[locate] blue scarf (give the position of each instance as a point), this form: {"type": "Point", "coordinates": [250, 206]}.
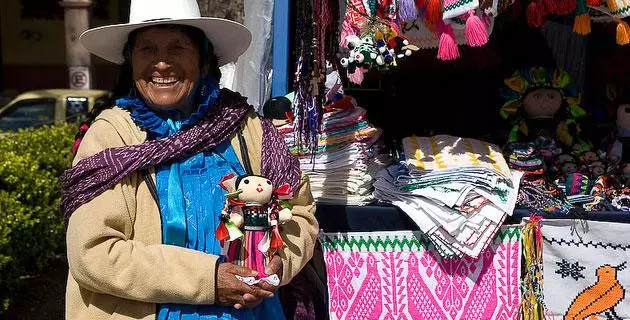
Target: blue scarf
{"type": "Point", "coordinates": [163, 124]}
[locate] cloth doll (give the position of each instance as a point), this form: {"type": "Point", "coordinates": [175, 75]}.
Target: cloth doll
{"type": "Point", "coordinates": [596, 169]}
{"type": "Point", "coordinates": [620, 149]}
{"type": "Point", "coordinates": [249, 227]}
{"type": "Point", "coordinates": [562, 165]}
{"type": "Point", "coordinates": [543, 108]}
{"type": "Point", "coordinates": [591, 164]}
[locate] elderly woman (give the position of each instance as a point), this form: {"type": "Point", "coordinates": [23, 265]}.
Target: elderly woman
{"type": "Point", "coordinates": [143, 199]}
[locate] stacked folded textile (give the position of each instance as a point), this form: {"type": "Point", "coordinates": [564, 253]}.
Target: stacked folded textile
{"type": "Point", "coordinates": [343, 166]}
{"type": "Point", "coordinates": [457, 190]}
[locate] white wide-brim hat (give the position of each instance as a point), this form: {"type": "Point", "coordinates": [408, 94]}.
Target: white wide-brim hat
{"type": "Point", "coordinates": [229, 39]}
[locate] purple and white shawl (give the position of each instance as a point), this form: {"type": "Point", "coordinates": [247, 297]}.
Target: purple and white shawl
{"type": "Point", "coordinates": [92, 176]}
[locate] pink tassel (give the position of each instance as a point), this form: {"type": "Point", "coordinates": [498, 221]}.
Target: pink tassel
{"type": "Point", "coordinates": [475, 31]}
{"type": "Point", "coordinates": [346, 30]}
{"type": "Point", "coordinates": [357, 77]}
{"type": "Point", "coordinates": [447, 49]}
{"type": "Point", "coordinates": [407, 10]}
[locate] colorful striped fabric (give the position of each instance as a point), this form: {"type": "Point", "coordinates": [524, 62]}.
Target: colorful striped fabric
{"type": "Point", "coordinates": [448, 152]}
{"type": "Point", "coordinates": [342, 165]}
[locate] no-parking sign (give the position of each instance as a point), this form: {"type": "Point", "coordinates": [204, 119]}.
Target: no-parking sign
{"type": "Point", "coordinates": [79, 78]}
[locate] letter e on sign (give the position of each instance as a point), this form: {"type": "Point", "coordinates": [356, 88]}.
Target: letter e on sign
{"type": "Point", "coordinates": [79, 78]}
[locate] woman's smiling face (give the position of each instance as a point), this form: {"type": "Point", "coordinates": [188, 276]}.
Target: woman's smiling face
{"type": "Point", "coordinates": [166, 67]}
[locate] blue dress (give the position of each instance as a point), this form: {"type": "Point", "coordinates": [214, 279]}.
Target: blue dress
{"type": "Point", "coordinates": [191, 201]}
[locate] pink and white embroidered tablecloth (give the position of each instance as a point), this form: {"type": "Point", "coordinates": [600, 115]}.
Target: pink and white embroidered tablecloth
{"type": "Point", "coordinates": [392, 275]}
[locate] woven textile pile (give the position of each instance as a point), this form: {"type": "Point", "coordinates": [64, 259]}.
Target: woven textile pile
{"type": "Point", "coordinates": [457, 190]}
{"type": "Point", "coordinates": [342, 167]}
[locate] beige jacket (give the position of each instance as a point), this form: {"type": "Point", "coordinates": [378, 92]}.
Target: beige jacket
{"type": "Point", "coordinates": [119, 268]}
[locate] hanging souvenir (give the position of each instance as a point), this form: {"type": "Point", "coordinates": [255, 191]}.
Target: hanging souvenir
{"type": "Point", "coordinates": [372, 38]}
{"type": "Point", "coordinates": [316, 43]}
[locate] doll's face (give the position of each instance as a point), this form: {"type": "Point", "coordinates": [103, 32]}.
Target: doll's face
{"type": "Point", "coordinates": [569, 167]}
{"type": "Point", "coordinates": [590, 156]}
{"type": "Point", "coordinates": [564, 158]}
{"type": "Point", "coordinates": [255, 189]}
{"type": "Point", "coordinates": [597, 168]}
{"type": "Point", "coordinates": [542, 103]}
{"type": "Point", "coordinates": [623, 116]}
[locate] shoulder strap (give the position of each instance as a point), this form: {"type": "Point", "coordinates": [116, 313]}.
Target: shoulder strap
{"type": "Point", "coordinates": [151, 184]}
{"type": "Point", "coordinates": [244, 153]}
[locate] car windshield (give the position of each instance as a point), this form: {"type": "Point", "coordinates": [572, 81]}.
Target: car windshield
{"type": "Point", "coordinates": [76, 108]}
{"type": "Point", "coordinates": [28, 113]}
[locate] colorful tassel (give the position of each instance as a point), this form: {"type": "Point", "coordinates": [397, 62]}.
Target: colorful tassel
{"type": "Point", "coordinates": [447, 49]}
{"type": "Point", "coordinates": [222, 232]}
{"type": "Point", "coordinates": [420, 4]}
{"type": "Point", "coordinates": [623, 33]}
{"type": "Point", "coordinates": [549, 7]}
{"type": "Point", "coordinates": [407, 10]}
{"type": "Point", "coordinates": [582, 24]}
{"type": "Point", "coordinates": [357, 76]}
{"type": "Point", "coordinates": [433, 13]}
{"type": "Point", "coordinates": [535, 14]}
{"type": "Point", "coordinates": [565, 7]}
{"type": "Point", "coordinates": [532, 302]}
{"type": "Point", "coordinates": [476, 33]}
{"type": "Point", "coordinates": [276, 239]}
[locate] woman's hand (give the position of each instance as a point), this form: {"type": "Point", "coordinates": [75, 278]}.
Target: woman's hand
{"type": "Point", "coordinates": [233, 292]}
{"type": "Point", "coordinates": [274, 267]}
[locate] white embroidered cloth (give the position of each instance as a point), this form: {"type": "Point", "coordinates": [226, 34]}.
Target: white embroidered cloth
{"type": "Point", "coordinates": [586, 269]}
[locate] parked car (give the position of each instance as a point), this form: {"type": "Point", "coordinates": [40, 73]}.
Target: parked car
{"type": "Point", "coordinates": [45, 107]}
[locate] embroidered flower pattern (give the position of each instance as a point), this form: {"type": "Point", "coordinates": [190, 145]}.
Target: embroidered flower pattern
{"type": "Point", "coordinates": [573, 270]}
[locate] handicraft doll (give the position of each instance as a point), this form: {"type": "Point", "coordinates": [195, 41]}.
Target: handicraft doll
{"type": "Point", "coordinates": [249, 227]}
{"type": "Point", "coordinates": [543, 108]}
{"type": "Point", "coordinates": [620, 149]}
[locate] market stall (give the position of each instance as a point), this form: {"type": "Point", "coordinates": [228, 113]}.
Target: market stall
{"type": "Point", "coordinates": [469, 158]}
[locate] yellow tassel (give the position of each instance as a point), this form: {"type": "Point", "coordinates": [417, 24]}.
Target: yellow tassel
{"type": "Point", "coordinates": [532, 304]}
{"type": "Point", "coordinates": [582, 24]}
{"type": "Point", "coordinates": [623, 33]}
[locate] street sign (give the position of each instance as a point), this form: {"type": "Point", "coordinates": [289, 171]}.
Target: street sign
{"type": "Point", "coordinates": [79, 78]}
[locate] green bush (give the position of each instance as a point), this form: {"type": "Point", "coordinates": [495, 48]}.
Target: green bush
{"type": "Point", "coordinates": [31, 228]}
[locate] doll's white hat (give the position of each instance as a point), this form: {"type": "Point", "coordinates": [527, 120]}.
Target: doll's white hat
{"type": "Point", "coordinates": [230, 39]}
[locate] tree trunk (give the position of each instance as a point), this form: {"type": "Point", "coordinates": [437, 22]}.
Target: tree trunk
{"type": "Point", "coordinates": [231, 10]}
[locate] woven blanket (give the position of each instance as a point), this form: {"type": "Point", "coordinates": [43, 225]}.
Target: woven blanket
{"type": "Point", "coordinates": [392, 275]}
{"type": "Point", "coordinates": [444, 151]}
{"type": "Point", "coordinates": [586, 271]}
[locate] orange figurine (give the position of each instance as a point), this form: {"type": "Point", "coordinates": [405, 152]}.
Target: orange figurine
{"type": "Point", "coordinates": [603, 296]}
